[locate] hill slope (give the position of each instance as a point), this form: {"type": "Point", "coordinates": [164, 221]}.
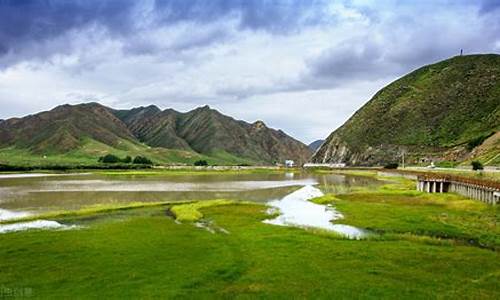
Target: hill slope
{"type": "Point", "coordinates": [315, 145]}
{"type": "Point", "coordinates": [63, 129]}
{"type": "Point", "coordinates": [91, 130]}
{"type": "Point", "coordinates": [438, 112]}
{"type": "Point", "coordinates": [207, 131]}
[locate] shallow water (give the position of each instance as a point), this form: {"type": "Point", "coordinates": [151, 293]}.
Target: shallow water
{"type": "Point", "coordinates": [38, 224]}
{"type": "Point", "coordinates": [9, 215]}
{"type": "Point", "coordinates": [22, 192]}
{"type": "Point", "coordinates": [27, 194]}
{"type": "Point", "coordinates": [296, 210]}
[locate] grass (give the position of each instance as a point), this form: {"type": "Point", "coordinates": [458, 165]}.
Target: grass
{"type": "Point", "coordinates": [147, 255]}
{"type": "Point", "coordinates": [89, 210]}
{"type": "Point", "coordinates": [190, 212]}
{"type": "Point", "coordinates": [397, 207]}
{"type": "Point", "coordinates": [422, 249]}
{"type": "Point", "coordinates": [91, 150]}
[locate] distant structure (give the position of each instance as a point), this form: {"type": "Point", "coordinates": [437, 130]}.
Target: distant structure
{"type": "Point", "coordinates": [331, 166]}
{"type": "Point", "coordinates": [485, 191]}
{"type": "Point", "coordinates": [461, 52]}
{"type": "Point", "coordinates": [289, 163]}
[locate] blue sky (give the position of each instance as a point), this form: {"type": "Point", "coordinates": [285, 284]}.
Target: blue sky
{"type": "Point", "coordinates": [302, 66]}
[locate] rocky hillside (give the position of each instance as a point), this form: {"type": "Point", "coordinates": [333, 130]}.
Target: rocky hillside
{"type": "Point", "coordinates": [201, 131]}
{"type": "Point", "coordinates": [448, 111]}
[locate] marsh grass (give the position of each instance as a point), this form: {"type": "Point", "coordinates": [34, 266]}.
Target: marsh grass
{"type": "Point", "coordinates": [147, 255]}
{"type": "Point", "coordinates": [191, 212]}
{"type": "Point", "coordinates": [90, 210]}
{"type": "Point", "coordinates": [421, 249]}
{"type": "Point", "coordinates": [396, 208]}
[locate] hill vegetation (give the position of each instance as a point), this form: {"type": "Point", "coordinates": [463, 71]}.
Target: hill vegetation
{"type": "Point", "coordinates": [80, 134]}
{"type": "Point", "coordinates": [448, 111]}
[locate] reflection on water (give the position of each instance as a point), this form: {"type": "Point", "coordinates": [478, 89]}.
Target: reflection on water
{"type": "Point", "coordinates": [296, 210]}
{"type": "Point", "coordinates": [164, 186]}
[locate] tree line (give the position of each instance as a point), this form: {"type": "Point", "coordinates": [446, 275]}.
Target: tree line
{"type": "Point", "coordinates": [113, 159]}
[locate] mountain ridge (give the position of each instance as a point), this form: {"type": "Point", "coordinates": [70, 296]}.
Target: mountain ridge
{"type": "Point", "coordinates": [66, 128]}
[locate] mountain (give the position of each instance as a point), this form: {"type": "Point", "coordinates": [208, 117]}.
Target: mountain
{"type": "Point", "coordinates": [90, 130]}
{"type": "Point", "coordinates": [315, 145]}
{"type": "Point", "coordinates": [62, 128]}
{"type": "Point", "coordinates": [448, 111]}
{"type": "Point", "coordinates": [205, 130]}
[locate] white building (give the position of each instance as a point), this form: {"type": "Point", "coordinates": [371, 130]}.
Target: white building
{"type": "Point", "coordinates": [332, 166]}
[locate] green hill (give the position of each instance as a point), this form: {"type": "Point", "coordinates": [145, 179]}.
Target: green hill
{"type": "Point", "coordinates": [448, 111]}
{"type": "Point", "coordinates": [205, 130]}
{"type": "Point", "coordinates": [79, 134]}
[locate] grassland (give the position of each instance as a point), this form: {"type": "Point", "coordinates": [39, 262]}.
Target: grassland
{"type": "Point", "coordinates": [423, 246]}
{"type": "Point", "coordinates": [91, 150]}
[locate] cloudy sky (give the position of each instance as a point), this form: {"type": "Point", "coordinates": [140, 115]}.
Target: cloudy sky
{"type": "Point", "coordinates": [299, 65]}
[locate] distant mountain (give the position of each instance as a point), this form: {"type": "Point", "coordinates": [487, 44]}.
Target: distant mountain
{"type": "Point", "coordinates": [202, 131]}
{"type": "Point", "coordinates": [63, 129]}
{"type": "Point", "coordinates": [448, 111]}
{"type": "Point", "coordinates": [315, 145]}
{"type": "Point", "coordinates": [205, 130]}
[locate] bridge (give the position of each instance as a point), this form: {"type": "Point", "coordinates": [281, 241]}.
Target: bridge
{"type": "Point", "coordinates": [483, 190]}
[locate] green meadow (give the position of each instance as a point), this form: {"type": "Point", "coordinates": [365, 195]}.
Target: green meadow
{"type": "Point", "coordinates": [88, 154]}
{"type": "Point", "coordinates": [420, 246]}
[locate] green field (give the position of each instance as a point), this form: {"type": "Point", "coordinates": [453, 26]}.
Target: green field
{"type": "Point", "coordinates": [91, 150]}
{"type": "Point", "coordinates": [420, 246]}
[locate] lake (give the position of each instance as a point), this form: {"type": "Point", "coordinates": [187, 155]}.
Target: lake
{"type": "Point", "coordinates": [32, 193]}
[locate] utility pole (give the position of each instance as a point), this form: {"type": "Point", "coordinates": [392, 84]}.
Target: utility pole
{"type": "Point", "coordinates": [403, 159]}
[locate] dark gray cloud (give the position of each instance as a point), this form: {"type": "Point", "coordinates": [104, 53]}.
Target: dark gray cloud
{"type": "Point", "coordinates": [30, 24]}
{"type": "Point", "coordinates": [24, 21]}
{"type": "Point", "coordinates": [489, 6]}
{"type": "Point", "coordinates": [37, 29]}
{"type": "Point", "coordinates": [278, 16]}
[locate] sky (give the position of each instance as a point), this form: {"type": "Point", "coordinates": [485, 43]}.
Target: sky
{"type": "Point", "coordinates": [303, 66]}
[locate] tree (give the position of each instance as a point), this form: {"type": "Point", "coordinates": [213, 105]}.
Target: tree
{"type": "Point", "coordinates": [109, 159]}
{"type": "Point", "coordinates": [476, 165]}
{"type": "Point", "coordinates": [391, 166]}
{"type": "Point", "coordinates": [142, 160]}
{"type": "Point", "coordinates": [201, 162]}
{"type": "Point", "coordinates": [127, 159]}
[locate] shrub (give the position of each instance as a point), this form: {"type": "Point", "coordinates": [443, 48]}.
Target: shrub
{"type": "Point", "coordinates": [109, 159]}
{"type": "Point", "coordinates": [142, 160]}
{"type": "Point", "coordinates": [127, 159]}
{"type": "Point", "coordinates": [391, 166]}
{"type": "Point", "coordinates": [446, 164]}
{"type": "Point", "coordinates": [476, 165]}
{"type": "Point", "coordinates": [477, 141]}
{"type": "Point", "coordinates": [201, 162]}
